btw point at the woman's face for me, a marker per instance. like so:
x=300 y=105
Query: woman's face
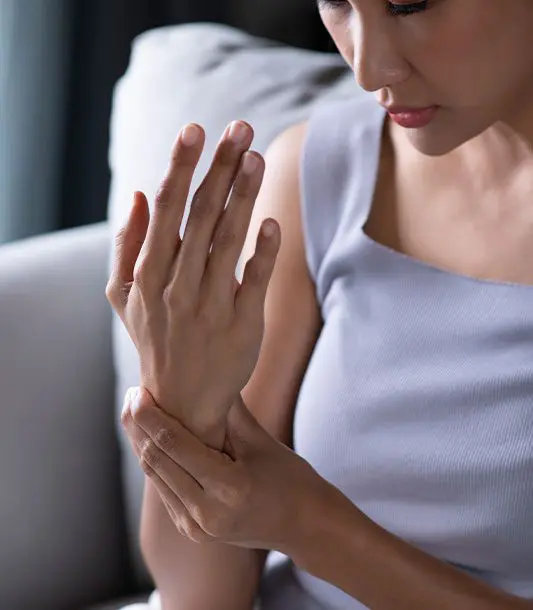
x=472 y=58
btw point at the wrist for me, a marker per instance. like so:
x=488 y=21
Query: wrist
x=211 y=430
x=208 y=425
x=206 y=420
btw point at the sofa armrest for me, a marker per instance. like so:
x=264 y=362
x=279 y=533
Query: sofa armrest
x=62 y=533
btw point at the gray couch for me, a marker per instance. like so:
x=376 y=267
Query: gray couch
x=71 y=489
x=63 y=540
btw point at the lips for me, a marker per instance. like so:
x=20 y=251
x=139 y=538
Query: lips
x=413 y=118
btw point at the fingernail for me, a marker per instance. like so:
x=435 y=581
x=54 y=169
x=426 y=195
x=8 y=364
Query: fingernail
x=249 y=164
x=190 y=135
x=237 y=132
x=269 y=228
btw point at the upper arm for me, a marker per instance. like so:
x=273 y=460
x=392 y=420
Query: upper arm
x=292 y=314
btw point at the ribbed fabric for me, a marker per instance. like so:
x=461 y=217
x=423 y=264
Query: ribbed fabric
x=418 y=400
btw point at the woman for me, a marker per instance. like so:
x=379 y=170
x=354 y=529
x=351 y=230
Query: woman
x=385 y=323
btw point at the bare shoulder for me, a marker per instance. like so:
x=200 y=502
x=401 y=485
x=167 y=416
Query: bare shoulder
x=292 y=314
x=279 y=196
x=288 y=145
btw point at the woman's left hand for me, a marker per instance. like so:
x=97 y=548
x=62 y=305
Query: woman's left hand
x=257 y=494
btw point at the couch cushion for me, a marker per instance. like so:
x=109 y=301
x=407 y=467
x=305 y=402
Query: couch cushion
x=209 y=74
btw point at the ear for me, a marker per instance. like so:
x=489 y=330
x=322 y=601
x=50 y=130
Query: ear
x=244 y=433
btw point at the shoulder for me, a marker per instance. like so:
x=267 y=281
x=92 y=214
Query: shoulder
x=291 y=139
x=292 y=314
x=283 y=156
x=282 y=189
x=279 y=197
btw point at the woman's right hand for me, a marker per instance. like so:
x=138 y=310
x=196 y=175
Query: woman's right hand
x=197 y=330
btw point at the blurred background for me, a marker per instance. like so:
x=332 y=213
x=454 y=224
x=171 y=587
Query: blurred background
x=59 y=62
x=92 y=95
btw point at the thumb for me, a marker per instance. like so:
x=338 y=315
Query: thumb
x=128 y=244
x=243 y=432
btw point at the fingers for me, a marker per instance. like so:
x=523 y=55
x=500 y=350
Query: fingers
x=180 y=445
x=176 y=507
x=162 y=474
x=169 y=205
x=250 y=298
x=232 y=229
x=128 y=244
x=153 y=460
x=207 y=205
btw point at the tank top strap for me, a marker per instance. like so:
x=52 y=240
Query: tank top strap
x=338 y=172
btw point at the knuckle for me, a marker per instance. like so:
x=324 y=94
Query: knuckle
x=116 y=294
x=170 y=296
x=166 y=439
x=111 y=291
x=141 y=273
x=177 y=301
x=163 y=196
x=119 y=238
x=149 y=456
x=201 y=206
x=226 y=238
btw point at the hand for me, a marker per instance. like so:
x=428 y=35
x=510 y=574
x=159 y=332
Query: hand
x=258 y=494
x=197 y=330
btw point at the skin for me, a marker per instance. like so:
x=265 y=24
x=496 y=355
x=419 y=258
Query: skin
x=475 y=59
x=179 y=567
x=474 y=161
x=478 y=148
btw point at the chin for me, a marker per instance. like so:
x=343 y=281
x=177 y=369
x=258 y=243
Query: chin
x=443 y=136
x=432 y=146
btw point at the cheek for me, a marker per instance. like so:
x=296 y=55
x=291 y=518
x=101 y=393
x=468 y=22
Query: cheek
x=474 y=60
x=341 y=31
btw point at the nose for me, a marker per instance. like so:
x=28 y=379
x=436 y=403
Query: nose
x=377 y=60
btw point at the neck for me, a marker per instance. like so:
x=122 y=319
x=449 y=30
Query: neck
x=517 y=126
x=496 y=157
x=503 y=153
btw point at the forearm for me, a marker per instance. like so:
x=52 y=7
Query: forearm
x=191 y=576
x=386 y=573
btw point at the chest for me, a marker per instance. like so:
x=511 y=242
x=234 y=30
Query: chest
x=438 y=217
x=418 y=405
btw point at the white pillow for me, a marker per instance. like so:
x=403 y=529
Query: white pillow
x=210 y=74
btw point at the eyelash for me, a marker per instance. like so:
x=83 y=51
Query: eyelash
x=396 y=10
